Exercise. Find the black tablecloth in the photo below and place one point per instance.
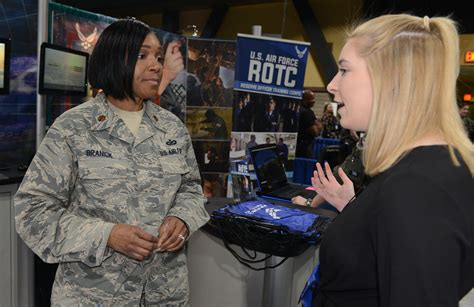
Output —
(11, 174)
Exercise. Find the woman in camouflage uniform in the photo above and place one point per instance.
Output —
(114, 189)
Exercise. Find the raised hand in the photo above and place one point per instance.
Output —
(172, 65)
(132, 241)
(327, 186)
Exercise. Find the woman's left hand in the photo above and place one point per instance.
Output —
(172, 234)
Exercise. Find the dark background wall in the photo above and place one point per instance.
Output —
(18, 21)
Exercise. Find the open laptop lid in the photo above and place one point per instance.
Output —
(269, 171)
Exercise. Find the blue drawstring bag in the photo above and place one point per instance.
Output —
(267, 228)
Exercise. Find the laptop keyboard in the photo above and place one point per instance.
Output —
(288, 192)
(285, 189)
(305, 194)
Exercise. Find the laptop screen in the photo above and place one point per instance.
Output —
(270, 172)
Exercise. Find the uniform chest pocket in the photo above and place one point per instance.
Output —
(103, 181)
(102, 169)
(174, 164)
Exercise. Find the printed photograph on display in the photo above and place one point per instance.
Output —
(214, 184)
(172, 90)
(265, 113)
(243, 187)
(241, 142)
(210, 78)
(209, 123)
(212, 156)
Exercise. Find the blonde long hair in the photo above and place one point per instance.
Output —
(413, 63)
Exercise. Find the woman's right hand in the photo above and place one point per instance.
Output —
(327, 186)
(132, 241)
(299, 200)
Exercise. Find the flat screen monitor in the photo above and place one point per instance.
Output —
(269, 170)
(4, 66)
(63, 71)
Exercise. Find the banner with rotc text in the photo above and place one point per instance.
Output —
(270, 65)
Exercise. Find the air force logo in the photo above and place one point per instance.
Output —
(171, 142)
(300, 53)
(273, 213)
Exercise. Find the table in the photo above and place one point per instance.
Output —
(217, 279)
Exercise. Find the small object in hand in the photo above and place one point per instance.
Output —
(181, 237)
(308, 202)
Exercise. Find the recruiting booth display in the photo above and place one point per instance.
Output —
(270, 66)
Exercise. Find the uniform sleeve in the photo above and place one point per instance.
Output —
(189, 202)
(42, 215)
(419, 236)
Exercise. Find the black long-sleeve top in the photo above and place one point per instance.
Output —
(406, 240)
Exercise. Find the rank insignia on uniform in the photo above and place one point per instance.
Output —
(171, 142)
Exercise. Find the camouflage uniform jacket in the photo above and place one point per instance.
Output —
(90, 173)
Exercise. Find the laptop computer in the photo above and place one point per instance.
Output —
(271, 175)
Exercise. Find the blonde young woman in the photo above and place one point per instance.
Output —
(408, 238)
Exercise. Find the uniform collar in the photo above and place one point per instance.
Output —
(103, 117)
(158, 117)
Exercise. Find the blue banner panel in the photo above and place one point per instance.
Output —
(270, 66)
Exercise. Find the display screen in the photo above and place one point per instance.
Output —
(63, 71)
(270, 172)
(4, 66)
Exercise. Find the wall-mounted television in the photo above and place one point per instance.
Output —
(4, 66)
(63, 71)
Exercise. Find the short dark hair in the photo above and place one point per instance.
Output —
(112, 62)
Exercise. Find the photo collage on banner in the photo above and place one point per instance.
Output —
(172, 90)
(210, 97)
(269, 84)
